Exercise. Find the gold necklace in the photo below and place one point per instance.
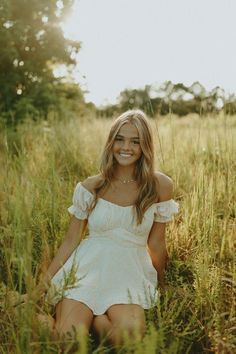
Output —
(124, 181)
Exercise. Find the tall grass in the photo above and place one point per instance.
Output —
(41, 163)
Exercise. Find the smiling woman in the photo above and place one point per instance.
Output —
(108, 279)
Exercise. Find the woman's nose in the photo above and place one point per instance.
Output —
(126, 144)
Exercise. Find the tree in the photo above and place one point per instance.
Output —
(176, 98)
(32, 43)
(136, 98)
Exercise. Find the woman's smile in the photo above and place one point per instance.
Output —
(125, 155)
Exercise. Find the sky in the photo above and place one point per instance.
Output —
(133, 43)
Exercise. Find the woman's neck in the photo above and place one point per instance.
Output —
(124, 172)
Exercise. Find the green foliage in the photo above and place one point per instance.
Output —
(32, 43)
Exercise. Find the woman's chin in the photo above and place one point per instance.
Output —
(126, 163)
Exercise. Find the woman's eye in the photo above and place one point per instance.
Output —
(135, 142)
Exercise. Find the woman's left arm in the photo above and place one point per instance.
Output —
(156, 239)
(158, 251)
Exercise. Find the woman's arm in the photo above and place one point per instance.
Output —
(72, 238)
(158, 251)
(156, 239)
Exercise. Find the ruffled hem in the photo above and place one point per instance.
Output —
(165, 210)
(78, 213)
(81, 202)
(103, 309)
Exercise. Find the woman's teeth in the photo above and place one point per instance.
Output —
(125, 155)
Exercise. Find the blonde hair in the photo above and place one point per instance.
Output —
(144, 169)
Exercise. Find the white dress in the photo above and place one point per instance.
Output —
(112, 264)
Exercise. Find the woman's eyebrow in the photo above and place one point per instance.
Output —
(133, 137)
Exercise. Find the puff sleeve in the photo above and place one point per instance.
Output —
(165, 210)
(82, 200)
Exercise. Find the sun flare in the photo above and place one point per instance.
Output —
(71, 24)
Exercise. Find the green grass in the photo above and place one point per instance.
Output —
(41, 163)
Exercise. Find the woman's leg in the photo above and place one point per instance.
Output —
(126, 319)
(102, 326)
(71, 313)
(46, 321)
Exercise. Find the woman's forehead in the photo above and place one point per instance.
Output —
(128, 130)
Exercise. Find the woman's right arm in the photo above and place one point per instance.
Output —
(72, 238)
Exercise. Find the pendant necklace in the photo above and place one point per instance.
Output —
(125, 181)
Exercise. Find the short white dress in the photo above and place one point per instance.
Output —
(112, 264)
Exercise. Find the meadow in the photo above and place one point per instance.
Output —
(40, 166)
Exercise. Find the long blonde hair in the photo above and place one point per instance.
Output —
(144, 169)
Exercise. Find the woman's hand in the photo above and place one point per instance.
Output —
(39, 291)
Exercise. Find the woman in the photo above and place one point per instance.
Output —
(112, 276)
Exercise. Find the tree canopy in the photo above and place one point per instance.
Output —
(32, 43)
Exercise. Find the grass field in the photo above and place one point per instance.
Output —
(40, 165)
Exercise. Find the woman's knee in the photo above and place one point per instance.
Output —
(101, 323)
(127, 320)
(72, 315)
(60, 329)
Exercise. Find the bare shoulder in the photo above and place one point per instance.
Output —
(92, 182)
(165, 186)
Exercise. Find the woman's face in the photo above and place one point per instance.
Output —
(126, 148)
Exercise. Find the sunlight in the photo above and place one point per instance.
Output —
(71, 24)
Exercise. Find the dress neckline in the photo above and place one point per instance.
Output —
(117, 205)
(105, 200)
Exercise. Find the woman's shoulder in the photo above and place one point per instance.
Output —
(92, 182)
(164, 186)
